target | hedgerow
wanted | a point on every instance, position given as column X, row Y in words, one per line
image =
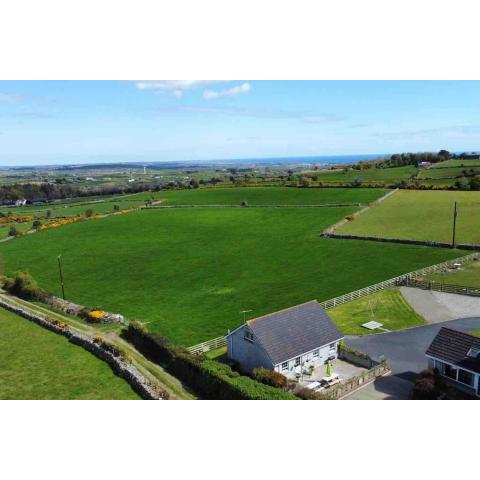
column 211, row 379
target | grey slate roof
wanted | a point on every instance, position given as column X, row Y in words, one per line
column 291, row 332
column 453, row 346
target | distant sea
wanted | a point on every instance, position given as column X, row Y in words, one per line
column 310, row 159
column 136, row 161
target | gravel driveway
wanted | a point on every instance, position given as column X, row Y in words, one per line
column 405, row 351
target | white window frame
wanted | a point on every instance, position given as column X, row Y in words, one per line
column 284, row 366
column 298, row 361
column 316, row 353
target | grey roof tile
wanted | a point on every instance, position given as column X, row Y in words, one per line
column 453, row 346
column 289, row 333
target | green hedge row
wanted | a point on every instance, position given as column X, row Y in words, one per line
column 209, row 378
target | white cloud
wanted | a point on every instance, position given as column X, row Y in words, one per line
column 8, row 97
column 175, row 87
column 229, row 92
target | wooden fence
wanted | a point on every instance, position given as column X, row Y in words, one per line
column 442, row 287
column 213, row 344
column 355, row 383
column 348, row 297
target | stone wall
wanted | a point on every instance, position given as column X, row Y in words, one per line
column 146, row 389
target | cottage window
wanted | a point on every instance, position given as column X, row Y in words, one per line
column 248, row 335
column 465, row 377
column 316, row 353
column 450, row 372
column 297, row 361
column 284, row 366
column 332, row 346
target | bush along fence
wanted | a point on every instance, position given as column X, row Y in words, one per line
column 118, row 361
column 392, row 282
column 441, row 287
column 24, row 286
column 209, row 378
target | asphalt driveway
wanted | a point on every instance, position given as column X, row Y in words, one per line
column 405, row 351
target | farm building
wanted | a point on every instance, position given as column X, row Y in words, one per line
column 287, row 340
column 456, row 356
column 425, row 165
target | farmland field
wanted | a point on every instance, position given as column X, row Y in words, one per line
column 189, row 272
column 388, row 175
column 269, row 196
column 421, row 215
column 38, row 364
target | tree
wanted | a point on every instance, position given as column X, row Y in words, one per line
column 444, row 153
column 36, row 224
column 48, row 213
column 12, row 232
column 194, row 183
column 116, row 208
column 88, row 212
column 305, row 182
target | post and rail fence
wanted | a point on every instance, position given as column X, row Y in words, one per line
column 403, row 279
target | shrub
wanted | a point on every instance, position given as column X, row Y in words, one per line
column 24, row 286
column 89, row 213
column 269, row 377
column 427, row 386
column 211, row 379
column 116, row 208
column 244, row 203
column 36, row 224
column 350, row 218
column 12, row 232
column 95, row 315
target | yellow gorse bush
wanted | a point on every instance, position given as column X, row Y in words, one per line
column 96, row 314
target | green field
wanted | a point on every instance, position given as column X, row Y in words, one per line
column 387, row 307
column 421, row 215
column 269, row 196
column 78, row 206
column 38, row 364
column 387, row 175
column 189, row 272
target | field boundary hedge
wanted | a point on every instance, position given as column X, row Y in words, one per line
column 211, row 379
column 101, row 350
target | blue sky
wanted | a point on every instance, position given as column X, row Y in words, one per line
column 62, row 122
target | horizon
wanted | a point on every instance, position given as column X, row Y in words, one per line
column 45, row 123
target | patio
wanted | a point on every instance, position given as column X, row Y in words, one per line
column 343, row 369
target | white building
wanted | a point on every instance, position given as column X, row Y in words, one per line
column 286, row 341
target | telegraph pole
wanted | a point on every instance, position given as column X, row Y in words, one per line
column 455, row 213
column 245, row 315
column 60, row 273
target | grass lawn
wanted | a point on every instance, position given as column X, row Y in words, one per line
column 190, row 272
column 270, row 196
column 474, row 332
column 468, row 275
column 386, row 306
column 421, row 215
column 38, row 364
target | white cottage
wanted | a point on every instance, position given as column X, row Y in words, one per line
column 287, row 340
